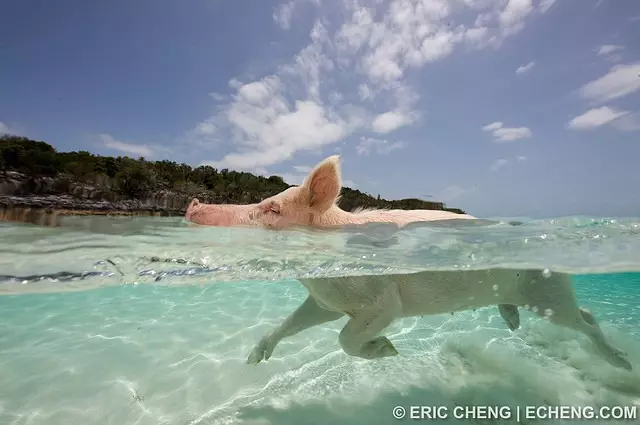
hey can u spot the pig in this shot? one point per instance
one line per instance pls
(312, 204)
(373, 302)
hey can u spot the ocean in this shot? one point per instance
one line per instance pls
(150, 321)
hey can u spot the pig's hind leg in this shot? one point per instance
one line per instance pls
(359, 337)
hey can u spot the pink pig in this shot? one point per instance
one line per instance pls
(312, 204)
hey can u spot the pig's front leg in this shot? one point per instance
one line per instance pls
(309, 314)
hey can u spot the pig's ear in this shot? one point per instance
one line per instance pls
(324, 183)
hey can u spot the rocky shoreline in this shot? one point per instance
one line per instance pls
(40, 201)
(48, 210)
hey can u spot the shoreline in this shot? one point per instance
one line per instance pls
(39, 185)
(49, 210)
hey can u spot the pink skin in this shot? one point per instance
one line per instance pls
(312, 204)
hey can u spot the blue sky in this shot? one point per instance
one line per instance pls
(500, 107)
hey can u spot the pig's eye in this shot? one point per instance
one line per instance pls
(274, 209)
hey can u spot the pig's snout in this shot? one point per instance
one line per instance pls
(217, 215)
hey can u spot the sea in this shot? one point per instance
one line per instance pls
(150, 321)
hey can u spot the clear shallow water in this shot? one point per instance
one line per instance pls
(172, 349)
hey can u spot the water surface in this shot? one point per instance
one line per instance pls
(150, 321)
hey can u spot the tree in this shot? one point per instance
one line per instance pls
(136, 178)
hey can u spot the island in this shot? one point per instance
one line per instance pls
(39, 185)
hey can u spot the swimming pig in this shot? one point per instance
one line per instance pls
(372, 303)
(313, 203)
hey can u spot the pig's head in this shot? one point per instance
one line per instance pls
(304, 205)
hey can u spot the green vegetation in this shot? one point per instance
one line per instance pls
(137, 178)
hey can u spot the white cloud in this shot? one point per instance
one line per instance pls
(595, 117)
(297, 179)
(352, 35)
(437, 46)
(477, 37)
(524, 68)
(350, 184)
(389, 121)
(205, 128)
(294, 179)
(365, 92)
(283, 13)
(620, 81)
(452, 192)
(506, 134)
(499, 163)
(511, 134)
(273, 131)
(502, 162)
(612, 52)
(628, 122)
(607, 49)
(493, 126)
(217, 96)
(269, 128)
(260, 171)
(4, 129)
(545, 5)
(364, 51)
(382, 147)
(128, 148)
(514, 13)
(302, 168)
(335, 97)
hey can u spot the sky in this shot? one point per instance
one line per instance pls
(499, 107)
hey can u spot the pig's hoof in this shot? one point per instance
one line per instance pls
(262, 351)
(617, 358)
(510, 315)
(378, 347)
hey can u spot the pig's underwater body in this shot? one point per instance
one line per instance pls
(373, 302)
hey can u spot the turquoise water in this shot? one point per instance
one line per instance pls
(151, 321)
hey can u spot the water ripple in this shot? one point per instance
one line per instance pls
(162, 250)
